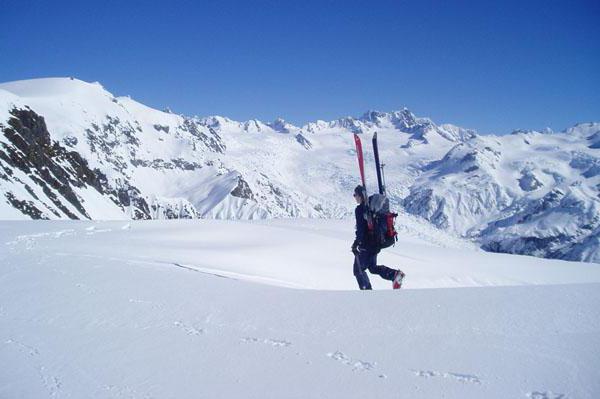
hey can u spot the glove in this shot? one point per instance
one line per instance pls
(355, 248)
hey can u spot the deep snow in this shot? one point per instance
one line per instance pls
(208, 308)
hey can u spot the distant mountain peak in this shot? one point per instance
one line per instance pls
(281, 126)
(545, 130)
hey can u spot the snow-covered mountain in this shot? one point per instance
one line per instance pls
(145, 163)
(71, 149)
(528, 193)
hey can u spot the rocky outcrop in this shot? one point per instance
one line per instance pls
(55, 170)
(49, 165)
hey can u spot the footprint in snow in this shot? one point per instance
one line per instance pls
(59, 234)
(29, 240)
(85, 288)
(276, 342)
(546, 395)
(93, 230)
(52, 383)
(472, 379)
(426, 373)
(32, 351)
(190, 330)
(267, 341)
(464, 378)
(143, 302)
(356, 364)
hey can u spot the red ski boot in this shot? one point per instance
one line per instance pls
(398, 280)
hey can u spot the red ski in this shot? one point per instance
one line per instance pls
(361, 166)
(361, 162)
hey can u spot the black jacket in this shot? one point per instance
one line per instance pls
(364, 239)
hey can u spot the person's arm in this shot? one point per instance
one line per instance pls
(361, 226)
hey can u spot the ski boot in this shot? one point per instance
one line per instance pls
(398, 279)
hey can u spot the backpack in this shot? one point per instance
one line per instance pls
(382, 221)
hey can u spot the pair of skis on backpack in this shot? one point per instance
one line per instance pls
(380, 220)
(361, 163)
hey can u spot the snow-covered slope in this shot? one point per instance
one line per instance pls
(164, 165)
(143, 155)
(529, 192)
(70, 149)
(167, 309)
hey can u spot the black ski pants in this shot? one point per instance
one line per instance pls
(368, 261)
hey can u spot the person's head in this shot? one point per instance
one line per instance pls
(359, 193)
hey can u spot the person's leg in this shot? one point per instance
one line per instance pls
(383, 271)
(361, 276)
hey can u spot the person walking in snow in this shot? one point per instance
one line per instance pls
(365, 249)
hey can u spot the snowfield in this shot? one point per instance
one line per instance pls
(270, 309)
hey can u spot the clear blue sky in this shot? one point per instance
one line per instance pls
(491, 66)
